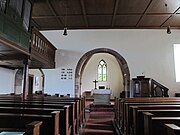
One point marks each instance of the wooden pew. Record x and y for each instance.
(172, 129)
(81, 103)
(49, 126)
(79, 112)
(135, 113)
(154, 125)
(65, 127)
(73, 112)
(137, 124)
(124, 104)
(32, 128)
(72, 119)
(79, 106)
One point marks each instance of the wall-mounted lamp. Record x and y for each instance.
(168, 30)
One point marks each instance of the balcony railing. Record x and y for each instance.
(42, 48)
(157, 89)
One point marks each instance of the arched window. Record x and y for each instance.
(102, 71)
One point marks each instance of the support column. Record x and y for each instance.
(43, 80)
(25, 78)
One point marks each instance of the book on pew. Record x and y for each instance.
(12, 133)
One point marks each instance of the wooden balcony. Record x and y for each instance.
(42, 51)
(15, 36)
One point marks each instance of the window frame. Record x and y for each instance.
(101, 72)
(176, 61)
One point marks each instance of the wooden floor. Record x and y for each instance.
(98, 122)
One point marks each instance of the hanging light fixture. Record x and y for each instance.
(168, 30)
(168, 27)
(65, 23)
(65, 31)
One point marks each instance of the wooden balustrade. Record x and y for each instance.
(42, 49)
(157, 89)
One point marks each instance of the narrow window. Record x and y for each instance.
(27, 14)
(102, 71)
(2, 5)
(177, 61)
(16, 6)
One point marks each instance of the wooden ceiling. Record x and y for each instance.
(106, 14)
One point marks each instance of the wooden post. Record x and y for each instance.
(25, 79)
(43, 80)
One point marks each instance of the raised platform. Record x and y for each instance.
(101, 107)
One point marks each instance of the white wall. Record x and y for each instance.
(53, 83)
(114, 74)
(147, 51)
(6, 81)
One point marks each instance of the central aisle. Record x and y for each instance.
(98, 123)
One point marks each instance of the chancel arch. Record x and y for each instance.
(82, 63)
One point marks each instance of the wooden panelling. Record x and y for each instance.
(47, 22)
(173, 21)
(44, 10)
(163, 6)
(73, 7)
(132, 6)
(98, 14)
(99, 20)
(75, 21)
(153, 21)
(99, 7)
(127, 20)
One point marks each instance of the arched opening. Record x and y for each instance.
(85, 58)
(35, 81)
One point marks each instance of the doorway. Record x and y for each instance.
(30, 86)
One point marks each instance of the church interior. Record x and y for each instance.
(83, 67)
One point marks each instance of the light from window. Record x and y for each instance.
(177, 61)
(3, 5)
(102, 71)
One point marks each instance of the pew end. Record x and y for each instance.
(172, 129)
(32, 128)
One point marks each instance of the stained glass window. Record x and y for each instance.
(102, 71)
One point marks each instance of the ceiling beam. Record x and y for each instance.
(15, 56)
(35, 23)
(84, 12)
(144, 13)
(169, 17)
(54, 13)
(114, 15)
(115, 12)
